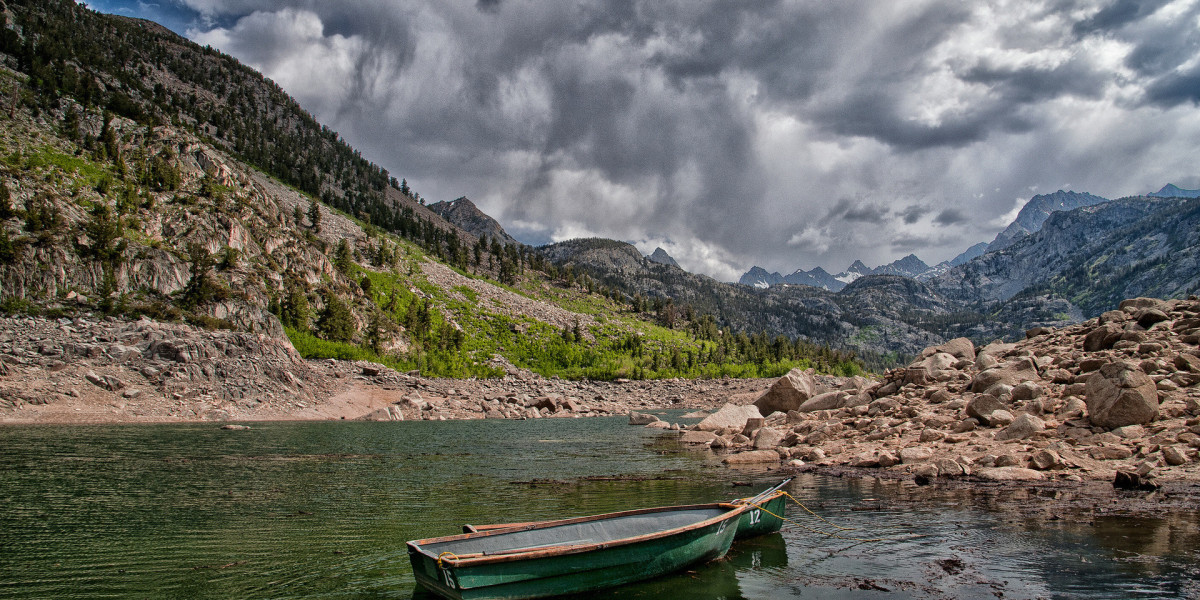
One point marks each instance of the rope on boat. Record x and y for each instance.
(812, 529)
(453, 556)
(806, 509)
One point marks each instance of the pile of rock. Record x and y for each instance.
(99, 369)
(1119, 393)
(160, 371)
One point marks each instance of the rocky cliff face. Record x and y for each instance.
(465, 215)
(600, 254)
(1091, 255)
(969, 254)
(1037, 210)
(154, 371)
(661, 257)
(137, 250)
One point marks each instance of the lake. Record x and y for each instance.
(322, 510)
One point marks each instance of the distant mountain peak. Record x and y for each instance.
(1037, 210)
(1173, 191)
(661, 257)
(759, 277)
(464, 214)
(909, 266)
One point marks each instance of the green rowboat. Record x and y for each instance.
(765, 515)
(552, 558)
(574, 555)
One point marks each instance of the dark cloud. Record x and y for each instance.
(1176, 88)
(1118, 14)
(911, 243)
(912, 213)
(951, 216)
(736, 132)
(1025, 84)
(851, 211)
(488, 5)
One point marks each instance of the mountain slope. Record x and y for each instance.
(969, 254)
(144, 176)
(1094, 255)
(1036, 211)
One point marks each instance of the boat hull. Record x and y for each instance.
(555, 572)
(762, 518)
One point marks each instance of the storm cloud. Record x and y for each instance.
(787, 134)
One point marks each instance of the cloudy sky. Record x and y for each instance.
(784, 134)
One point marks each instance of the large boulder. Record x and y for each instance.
(961, 348)
(788, 392)
(731, 416)
(767, 437)
(1022, 428)
(1148, 317)
(982, 406)
(1133, 305)
(915, 454)
(1011, 373)
(934, 360)
(1009, 474)
(826, 401)
(1121, 394)
(1102, 338)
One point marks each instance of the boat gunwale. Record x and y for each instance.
(733, 510)
(468, 528)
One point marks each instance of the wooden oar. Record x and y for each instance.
(764, 494)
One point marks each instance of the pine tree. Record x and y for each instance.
(294, 308)
(200, 289)
(314, 215)
(6, 209)
(336, 323)
(343, 257)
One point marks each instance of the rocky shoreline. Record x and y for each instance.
(1113, 399)
(1116, 394)
(104, 370)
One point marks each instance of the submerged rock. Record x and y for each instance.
(637, 418)
(752, 457)
(731, 416)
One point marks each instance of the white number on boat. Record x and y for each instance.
(448, 577)
(755, 517)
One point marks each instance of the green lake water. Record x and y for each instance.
(322, 510)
